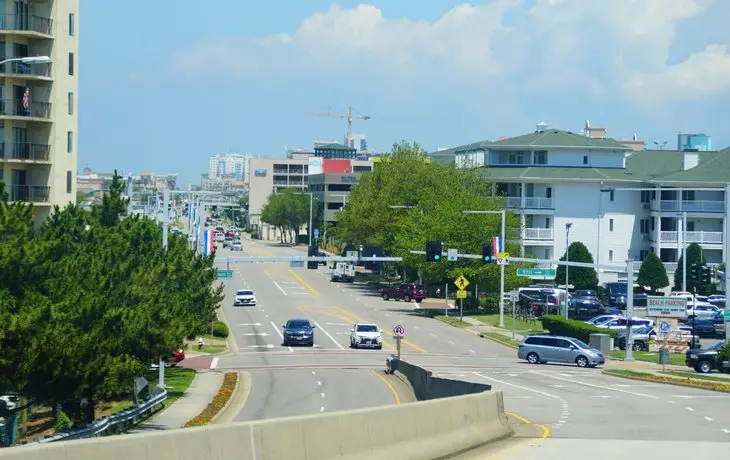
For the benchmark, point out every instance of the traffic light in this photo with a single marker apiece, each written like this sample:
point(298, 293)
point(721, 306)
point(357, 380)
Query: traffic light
point(488, 253)
point(434, 250)
point(705, 275)
point(693, 273)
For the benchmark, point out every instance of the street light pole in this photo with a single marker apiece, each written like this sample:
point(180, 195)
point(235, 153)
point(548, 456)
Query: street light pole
point(567, 259)
point(501, 267)
point(684, 251)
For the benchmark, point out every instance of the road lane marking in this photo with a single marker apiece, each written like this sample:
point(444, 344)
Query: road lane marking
point(280, 288)
point(322, 395)
point(214, 363)
point(545, 430)
point(472, 352)
point(319, 383)
point(250, 324)
point(261, 346)
point(518, 386)
point(337, 324)
point(690, 409)
point(304, 283)
point(258, 334)
point(390, 387)
point(726, 431)
point(709, 419)
point(321, 409)
point(452, 343)
point(328, 335)
point(281, 336)
point(596, 386)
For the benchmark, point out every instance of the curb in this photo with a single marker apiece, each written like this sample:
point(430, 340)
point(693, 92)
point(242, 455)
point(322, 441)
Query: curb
point(225, 408)
point(230, 340)
point(237, 401)
point(508, 345)
point(677, 383)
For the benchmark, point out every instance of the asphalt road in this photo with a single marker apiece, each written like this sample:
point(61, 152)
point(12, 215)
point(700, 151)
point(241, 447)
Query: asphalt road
point(563, 401)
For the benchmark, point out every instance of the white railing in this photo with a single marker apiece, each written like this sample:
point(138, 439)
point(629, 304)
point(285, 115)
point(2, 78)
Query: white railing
point(692, 237)
point(692, 206)
point(538, 203)
point(670, 267)
point(537, 234)
point(514, 202)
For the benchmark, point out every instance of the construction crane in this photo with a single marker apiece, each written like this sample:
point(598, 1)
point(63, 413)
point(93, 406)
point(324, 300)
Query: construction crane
point(349, 117)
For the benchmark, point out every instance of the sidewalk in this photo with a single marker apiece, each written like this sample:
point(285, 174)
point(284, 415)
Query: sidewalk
point(199, 394)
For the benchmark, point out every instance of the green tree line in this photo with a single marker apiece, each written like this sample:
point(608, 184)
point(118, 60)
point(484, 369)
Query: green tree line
point(288, 211)
point(90, 299)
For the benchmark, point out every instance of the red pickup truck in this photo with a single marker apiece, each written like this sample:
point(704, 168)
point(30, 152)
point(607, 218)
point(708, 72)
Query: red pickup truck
point(407, 292)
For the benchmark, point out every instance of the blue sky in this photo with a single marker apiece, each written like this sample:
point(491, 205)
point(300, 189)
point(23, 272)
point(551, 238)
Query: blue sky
point(167, 83)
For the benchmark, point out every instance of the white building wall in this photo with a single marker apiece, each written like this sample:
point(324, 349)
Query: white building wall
point(596, 158)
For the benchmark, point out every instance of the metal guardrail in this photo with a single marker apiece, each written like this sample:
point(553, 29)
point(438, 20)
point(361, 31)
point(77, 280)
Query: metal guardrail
point(107, 425)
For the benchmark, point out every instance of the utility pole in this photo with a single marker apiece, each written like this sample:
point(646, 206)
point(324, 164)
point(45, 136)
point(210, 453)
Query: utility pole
point(629, 310)
point(683, 230)
point(165, 227)
point(567, 267)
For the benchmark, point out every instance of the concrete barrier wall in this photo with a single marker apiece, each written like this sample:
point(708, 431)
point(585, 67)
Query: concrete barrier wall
point(426, 387)
point(422, 430)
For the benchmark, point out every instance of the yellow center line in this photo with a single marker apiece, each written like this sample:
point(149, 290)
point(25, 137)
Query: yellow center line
point(545, 430)
point(389, 345)
point(304, 283)
point(512, 451)
point(347, 319)
point(390, 387)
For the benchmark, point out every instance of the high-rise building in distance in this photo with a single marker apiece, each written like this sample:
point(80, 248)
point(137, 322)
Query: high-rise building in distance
point(231, 165)
point(38, 101)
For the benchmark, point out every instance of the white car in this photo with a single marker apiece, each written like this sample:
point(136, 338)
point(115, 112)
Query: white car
point(244, 297)
point(363, 335)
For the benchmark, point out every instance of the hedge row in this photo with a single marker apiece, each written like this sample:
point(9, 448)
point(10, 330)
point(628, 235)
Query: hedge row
point(220, 329)
point(573, 328)
point(219, 402)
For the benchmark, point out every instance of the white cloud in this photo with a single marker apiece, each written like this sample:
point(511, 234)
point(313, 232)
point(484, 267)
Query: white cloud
point(602, 47)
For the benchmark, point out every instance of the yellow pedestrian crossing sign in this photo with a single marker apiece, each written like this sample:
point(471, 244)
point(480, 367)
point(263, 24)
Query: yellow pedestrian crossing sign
point(461, 282)
point(461, 294)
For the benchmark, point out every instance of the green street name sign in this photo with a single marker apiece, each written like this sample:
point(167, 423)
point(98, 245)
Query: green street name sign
point(535, 272)
point(225, 274)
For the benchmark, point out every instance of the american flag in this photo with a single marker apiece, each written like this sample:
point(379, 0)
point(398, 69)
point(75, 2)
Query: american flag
point(26, 97)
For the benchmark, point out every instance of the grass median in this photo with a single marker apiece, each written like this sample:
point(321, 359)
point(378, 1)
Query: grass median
point(521, 326)
point(676, 359)
point(177, 380)
point(452, 320)
point(693, 380)
point(501, 338)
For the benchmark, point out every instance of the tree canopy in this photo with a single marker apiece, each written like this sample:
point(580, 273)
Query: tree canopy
point(695, 255)
point(90, 299)
point(652, 273)
point(288, 211)
point(579, 277)
point(408, 201)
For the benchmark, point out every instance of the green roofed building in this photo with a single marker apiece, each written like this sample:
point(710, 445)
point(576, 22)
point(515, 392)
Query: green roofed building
point(552, 177)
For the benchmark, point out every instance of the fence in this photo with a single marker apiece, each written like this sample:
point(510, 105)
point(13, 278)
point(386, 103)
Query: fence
point(112, 424)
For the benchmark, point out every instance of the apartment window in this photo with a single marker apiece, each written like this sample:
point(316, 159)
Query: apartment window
point(71, 24)
point(688, 195)
point(69, 181)
point(70, 103)
point(547, 222)
point(548, 192)
point(70, 63)
point(611, 195)
point(610, 225)
point(653, 223)
point(70, 141)
point(690, 226)
point(585, 159)
point(642, 225)
point(540, 157)
point(610, 255)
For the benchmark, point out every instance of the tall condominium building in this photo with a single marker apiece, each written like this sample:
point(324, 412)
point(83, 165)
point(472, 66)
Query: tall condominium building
point(38, 101)
point(231, 165)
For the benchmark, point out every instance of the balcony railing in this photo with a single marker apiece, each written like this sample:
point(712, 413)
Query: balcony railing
point(25, 151)
point(692, 206)
point(692, 237)
point(30, 193)
point(16, 108)
point(26, 22)
point(670, 266)
point(531, 202)
point(545, 234)
point(19, 68)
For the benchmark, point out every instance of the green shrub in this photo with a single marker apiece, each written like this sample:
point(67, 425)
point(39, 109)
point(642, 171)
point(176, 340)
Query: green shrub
point(572, 328)
point(220, 329)
point(63, 422)
point(490, 305)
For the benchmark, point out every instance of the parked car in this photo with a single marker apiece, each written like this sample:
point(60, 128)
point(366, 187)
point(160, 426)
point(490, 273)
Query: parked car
point(236, 246)
point(299, 332)
point(364, 335)
point(585, 294)
point(582, 309)
point(617, 295)
point(641, 337)
point(406, 292)
point(602, 319)
point(541, 301)
point(706, 359)
point(545, 348)
point(712, 327)
point(620, 323)
point(702, 310)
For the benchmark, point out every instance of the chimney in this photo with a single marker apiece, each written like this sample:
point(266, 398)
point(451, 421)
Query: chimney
point(690, 160)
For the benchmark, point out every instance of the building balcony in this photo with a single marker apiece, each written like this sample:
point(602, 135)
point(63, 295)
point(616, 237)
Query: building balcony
point(30, 193)
point(26, 71)
point(670, 267)
point(541, 234)
point(25, 151)
point(16, 108)
point(691, 206)
point(530, 202)
point(692, 237)
point(25, 23)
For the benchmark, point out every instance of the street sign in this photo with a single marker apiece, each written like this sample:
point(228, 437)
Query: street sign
point(514, 296)
point(666, 307)
point(316, 233)
point(452, 255)
point(461, 282)
point(726, 315)
point(461, 294)
point(502, 261)
point(225, 274)
point(399, 330)
point(503, 255)
point(530, 272)
point(665, 327)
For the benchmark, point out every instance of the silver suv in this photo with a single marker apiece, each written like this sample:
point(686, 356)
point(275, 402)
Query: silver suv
point(543, 348)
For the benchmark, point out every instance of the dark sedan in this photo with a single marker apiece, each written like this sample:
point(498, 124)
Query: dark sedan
point(298, 332)
point(583, 309)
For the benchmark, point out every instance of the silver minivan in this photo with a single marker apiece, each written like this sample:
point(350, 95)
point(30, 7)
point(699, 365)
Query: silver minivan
point(545, 348)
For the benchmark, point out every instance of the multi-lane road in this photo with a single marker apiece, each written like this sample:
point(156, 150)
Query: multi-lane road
point(565, 401)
